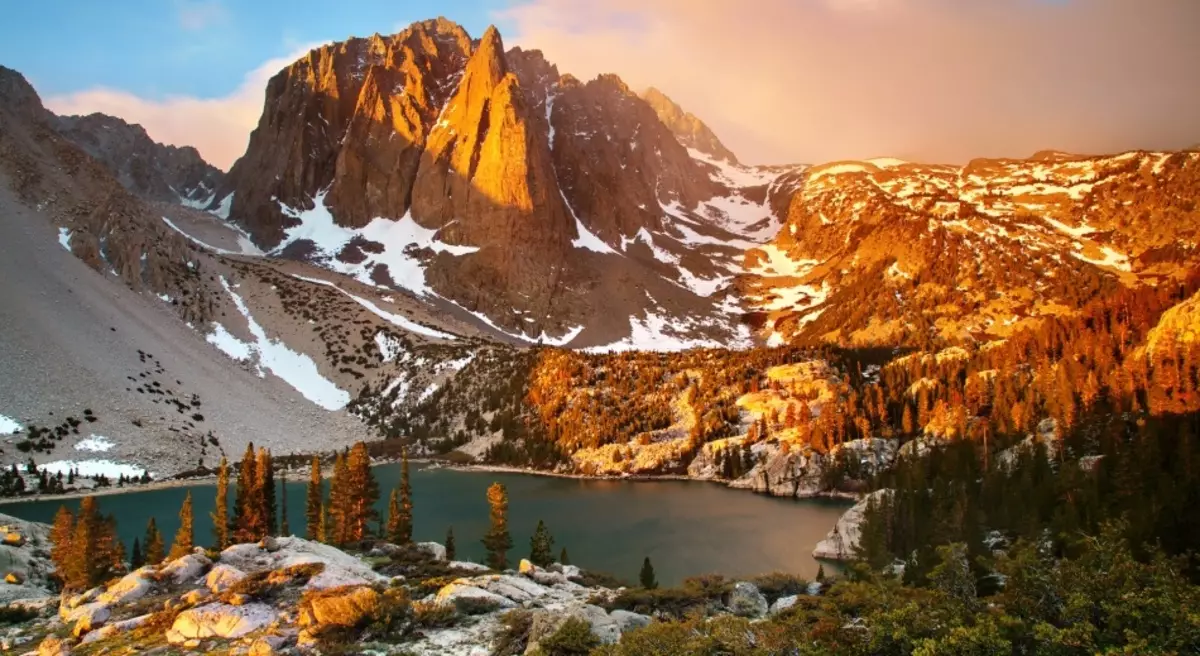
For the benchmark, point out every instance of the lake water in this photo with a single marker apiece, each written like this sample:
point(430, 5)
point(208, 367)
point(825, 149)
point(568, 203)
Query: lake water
point(686, 528)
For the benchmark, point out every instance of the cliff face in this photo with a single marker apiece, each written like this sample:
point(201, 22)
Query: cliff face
point(143, 166)
point(512, 190)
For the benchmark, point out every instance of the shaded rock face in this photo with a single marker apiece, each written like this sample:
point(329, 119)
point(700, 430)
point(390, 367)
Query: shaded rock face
point(690, 130)
point(110, 228)
point(143, 166)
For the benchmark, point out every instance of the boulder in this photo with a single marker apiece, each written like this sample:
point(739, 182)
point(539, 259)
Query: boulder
point(219, 621)
point(222, 576)
point(53, 646)
point(341, 569)
point(131, 587)
point(239, 599)
point(841, 541)
point(14, 539)
point(97, 611)
point(14, 578)
point(109, 630)
point(746, 601)
point(572, 572)
point(340, 607)
point(186, 568)
point(467, 566)
point(606, 628)
point(434, 549)
point(71, 602)
point(549, 578)
point(90, 617)
point(527, 568)
point(627, 621)
point(783, 603)
point(470, 599)
point(261, 648)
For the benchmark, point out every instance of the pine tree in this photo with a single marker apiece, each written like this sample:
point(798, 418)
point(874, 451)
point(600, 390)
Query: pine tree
point(361, 493)
point(820, 572)
point(248, 504)
point(451, 550)
point(541, 546)
point(62, 535)
point(563, 558)
point(153, 543)
point(393, 522)
point(313, 515)
point(94, 548)
point(498, 541)
point(265, 484)
point(137, 559)
point(646, 576)
point(182, 545)
point(220, 513)
point(339, 504)
point(405, 523)
point(284, 529)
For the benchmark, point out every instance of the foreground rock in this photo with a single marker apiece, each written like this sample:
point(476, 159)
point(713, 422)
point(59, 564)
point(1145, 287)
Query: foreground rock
point(840, 542)
point(220, 621)
point(24, 560)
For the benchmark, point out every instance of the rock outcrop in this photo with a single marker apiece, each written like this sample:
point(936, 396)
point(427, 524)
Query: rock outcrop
point(25, 557)
point(843, 538)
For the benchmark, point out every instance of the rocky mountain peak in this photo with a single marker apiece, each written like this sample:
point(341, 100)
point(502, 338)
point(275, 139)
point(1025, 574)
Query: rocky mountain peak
point(691, 131)
point(145, 167)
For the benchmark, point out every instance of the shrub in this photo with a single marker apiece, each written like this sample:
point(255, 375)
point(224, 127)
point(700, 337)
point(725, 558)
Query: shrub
point(16, 615)
point(574, 637)
point(515, 637)
point(779, 584)
point(432, 615)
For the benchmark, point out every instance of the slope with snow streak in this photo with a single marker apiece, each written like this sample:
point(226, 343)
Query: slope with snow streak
point(395, 319)
point(296, 369)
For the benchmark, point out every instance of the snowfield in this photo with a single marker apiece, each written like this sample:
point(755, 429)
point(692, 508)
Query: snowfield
point(295, 369)
point(399, 239)
point(95, 443)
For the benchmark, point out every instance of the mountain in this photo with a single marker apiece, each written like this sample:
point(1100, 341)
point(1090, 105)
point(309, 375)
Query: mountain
point(131, 345)
point(143, 166)
point(552, 208)
point(886, 252)
point(687, 128)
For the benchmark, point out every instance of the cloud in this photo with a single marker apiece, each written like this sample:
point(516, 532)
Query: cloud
point(932, 80)
point(199, 15)
point(218, 127)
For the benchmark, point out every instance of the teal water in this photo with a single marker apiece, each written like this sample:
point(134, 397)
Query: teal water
point(686, 528)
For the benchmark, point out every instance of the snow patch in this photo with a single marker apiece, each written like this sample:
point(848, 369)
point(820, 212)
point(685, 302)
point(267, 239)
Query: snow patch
point(89, 468)
point(64, 238)
point(399, 239)
point(656, 333)
point(395, 319)
point(94, 442)
point(9, 426)
point(295, 369)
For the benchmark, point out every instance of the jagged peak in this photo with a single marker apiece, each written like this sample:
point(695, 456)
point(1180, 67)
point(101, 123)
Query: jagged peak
point(687, 127)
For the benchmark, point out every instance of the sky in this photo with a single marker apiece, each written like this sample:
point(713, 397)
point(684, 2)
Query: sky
point(779, 81)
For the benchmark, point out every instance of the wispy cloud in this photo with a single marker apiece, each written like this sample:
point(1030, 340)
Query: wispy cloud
point(195, 15)
point(218, 127)
point(940, 80)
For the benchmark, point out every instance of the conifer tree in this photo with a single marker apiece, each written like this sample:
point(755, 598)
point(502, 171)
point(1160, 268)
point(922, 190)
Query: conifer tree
point(94, 551)
point(541, 546)
point(313, 514)
point(563, 558)
point(62, 535)
point(820, 572)
point(339, 503)
point(498, 541)
point(405, 524)
point(646, 576)
point(248, 505)
point(451, 549)
point(136, 560)
point(323, 525)
point(265, 485)
point(182, 545)
point(153, 544)
point(284, 529)
point(361, 492)
point(393, 522)
point(220, 513)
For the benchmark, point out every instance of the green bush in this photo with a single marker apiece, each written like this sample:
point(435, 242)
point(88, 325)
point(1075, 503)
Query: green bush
point(779, 584)
point(432, 615)
point(573, 638)
point(515, 637)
